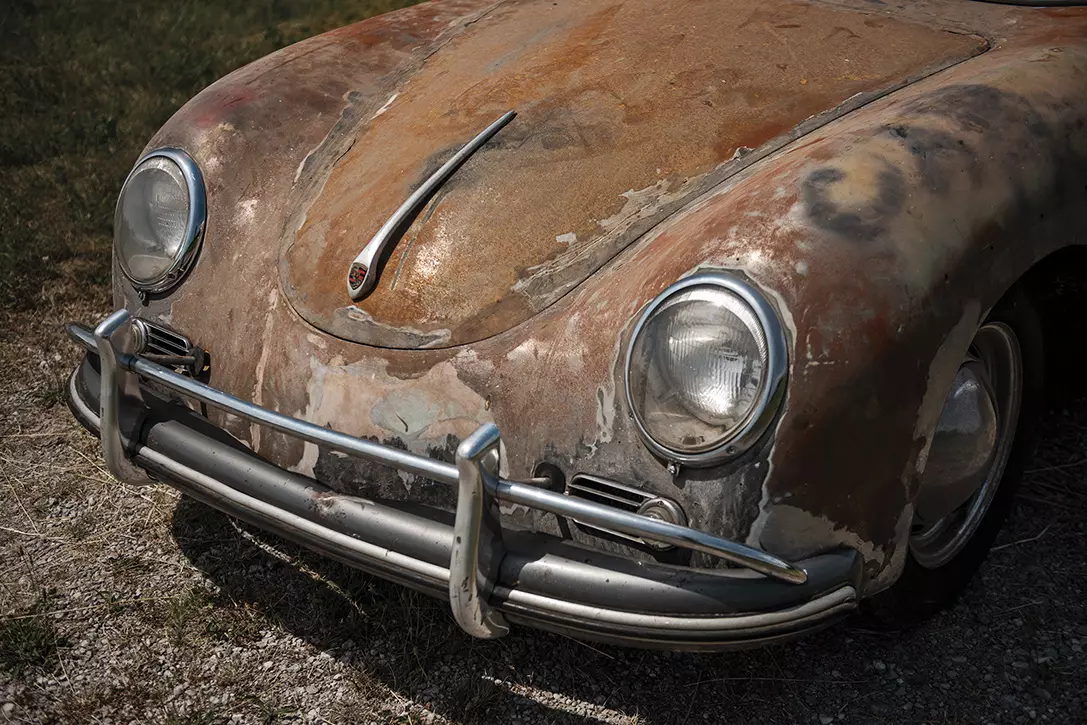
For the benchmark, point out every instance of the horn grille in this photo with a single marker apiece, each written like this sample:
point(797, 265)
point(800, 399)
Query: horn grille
point(602, 491)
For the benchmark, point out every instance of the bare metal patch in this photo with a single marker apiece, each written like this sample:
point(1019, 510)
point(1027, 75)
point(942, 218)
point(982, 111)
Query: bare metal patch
point(541, 284)
point(389, 336)
point(794, 534)
point(262, 363)
point(363, 400)
point(385, 107)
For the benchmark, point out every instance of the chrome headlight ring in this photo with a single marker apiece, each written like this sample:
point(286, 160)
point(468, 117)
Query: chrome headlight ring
point(767, 400)
point(190, 236)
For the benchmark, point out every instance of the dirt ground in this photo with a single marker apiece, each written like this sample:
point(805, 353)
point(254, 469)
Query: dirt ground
point(122, 604)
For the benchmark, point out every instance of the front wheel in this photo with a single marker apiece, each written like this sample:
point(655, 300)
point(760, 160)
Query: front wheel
point(981, 445)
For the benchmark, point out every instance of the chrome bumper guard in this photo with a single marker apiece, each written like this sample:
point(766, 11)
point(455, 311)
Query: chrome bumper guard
point(476, 550)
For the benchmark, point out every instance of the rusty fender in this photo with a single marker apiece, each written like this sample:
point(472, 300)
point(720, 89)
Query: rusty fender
point(882, 237)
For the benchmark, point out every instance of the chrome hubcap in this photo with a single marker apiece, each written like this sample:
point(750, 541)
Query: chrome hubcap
point(970, 447)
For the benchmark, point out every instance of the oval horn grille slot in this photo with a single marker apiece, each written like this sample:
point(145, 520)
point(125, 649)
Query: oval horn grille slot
point(164, 342)
point(609, 493)
point(166, 347)
point(159, 340)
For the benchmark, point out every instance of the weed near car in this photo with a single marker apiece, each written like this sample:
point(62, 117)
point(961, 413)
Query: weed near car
point(28, 638)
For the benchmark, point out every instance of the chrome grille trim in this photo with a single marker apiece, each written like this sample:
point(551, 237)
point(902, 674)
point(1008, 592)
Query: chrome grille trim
point(156, 339)
point(586, 492)
point(609, 493)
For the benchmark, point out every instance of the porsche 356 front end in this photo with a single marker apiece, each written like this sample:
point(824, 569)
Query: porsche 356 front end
point(653, 359)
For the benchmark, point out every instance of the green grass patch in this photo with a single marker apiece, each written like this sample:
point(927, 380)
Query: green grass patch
point(28, 639)
point(83, 86)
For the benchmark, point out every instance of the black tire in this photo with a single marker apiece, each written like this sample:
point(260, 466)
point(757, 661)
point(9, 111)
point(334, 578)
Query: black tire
point(921, 592)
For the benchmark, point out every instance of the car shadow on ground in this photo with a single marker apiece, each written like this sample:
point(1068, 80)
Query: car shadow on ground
point(1011, 650)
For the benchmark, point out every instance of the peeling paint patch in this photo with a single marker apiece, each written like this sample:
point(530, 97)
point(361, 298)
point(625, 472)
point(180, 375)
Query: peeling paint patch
point(758, 526)
point(391, 336)
point(420, 412)
point(794, 533)
point(891, 570)
point(546, 282)
point(605, 412)
point(527, 350)
point(301, 165)
point(606, 409)
point(385, 107)
point(305, 464)
point(262, 363)
point(247, 210)
point(941, 374)
point(741, 152)
point(642, 203)
point(754, 535)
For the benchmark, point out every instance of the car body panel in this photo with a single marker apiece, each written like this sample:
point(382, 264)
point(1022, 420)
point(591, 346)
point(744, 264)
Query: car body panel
point(624, 111)
point(882, 236)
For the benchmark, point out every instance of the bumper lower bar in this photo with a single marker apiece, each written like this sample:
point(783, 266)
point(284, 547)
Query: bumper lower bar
point(482, 569)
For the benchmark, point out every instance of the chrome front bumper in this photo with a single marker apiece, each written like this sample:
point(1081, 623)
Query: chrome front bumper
point(490, 575)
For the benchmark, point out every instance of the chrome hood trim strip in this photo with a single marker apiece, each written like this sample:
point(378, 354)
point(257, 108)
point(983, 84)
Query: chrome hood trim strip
point(362, 274)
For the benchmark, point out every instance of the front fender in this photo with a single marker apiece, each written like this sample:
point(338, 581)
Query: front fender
point(885, 238)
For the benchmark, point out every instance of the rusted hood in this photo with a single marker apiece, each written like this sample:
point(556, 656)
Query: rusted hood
point(626, 111)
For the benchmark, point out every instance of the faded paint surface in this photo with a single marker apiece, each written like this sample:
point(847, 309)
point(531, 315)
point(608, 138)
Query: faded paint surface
point(625, 110)
point(877, 232)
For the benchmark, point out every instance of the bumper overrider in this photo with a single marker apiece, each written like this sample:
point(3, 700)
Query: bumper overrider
point(490, 575)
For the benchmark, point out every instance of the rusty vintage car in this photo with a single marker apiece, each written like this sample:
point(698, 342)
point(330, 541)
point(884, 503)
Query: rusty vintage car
point(674, 324)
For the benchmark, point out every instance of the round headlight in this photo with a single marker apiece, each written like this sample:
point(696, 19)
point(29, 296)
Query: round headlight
point(705, 369)
point(159, 219)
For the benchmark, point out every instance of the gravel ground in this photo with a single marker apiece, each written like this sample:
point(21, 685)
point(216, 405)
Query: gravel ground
point(121, 604)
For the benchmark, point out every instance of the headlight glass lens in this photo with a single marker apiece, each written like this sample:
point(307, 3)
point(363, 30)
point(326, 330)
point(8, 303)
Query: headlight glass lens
point(151, 224)
point(697, 369)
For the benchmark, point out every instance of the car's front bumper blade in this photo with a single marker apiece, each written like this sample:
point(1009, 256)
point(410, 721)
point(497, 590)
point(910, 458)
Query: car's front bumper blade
point(501, 575)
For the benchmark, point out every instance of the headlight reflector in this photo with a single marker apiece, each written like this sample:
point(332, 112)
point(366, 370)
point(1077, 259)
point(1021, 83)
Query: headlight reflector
point(704, 369)
point(159, 219)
